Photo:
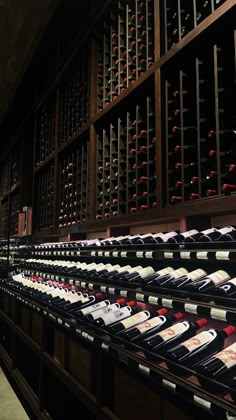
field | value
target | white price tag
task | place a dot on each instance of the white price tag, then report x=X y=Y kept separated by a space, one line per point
x=93 y=254
x=59 y=320
x=222 y=255
x=107 y=254
x=115 y=254
x=167 y=303
x=139 y=254
x=103 y=289
x=90 y=338
x=84 y=334
x=45 y=313
x=185 y=255
x=78 y=331
x=62 y=280
x=168 y=385
x=202 y=255
x=77 y=253
x=201 y=402
x=153 y=300
x=83 y=284
x=123 y=254
x=90 y=286
x=219 y=314
x=67 y=325
x=191 y=308
x=111 y=290
x=149 y=254
x=100 y=253
x=77 y=283
x=105 y=347
x=144 y=369
x=140 y=297
x=123 y=293
x=168 y=254
x=71 y=282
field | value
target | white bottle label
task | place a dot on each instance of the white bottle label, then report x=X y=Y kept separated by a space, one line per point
x=232 y=281
x=116 y=316
x=207 y=231
x=179 y=273
x=165 y=271
x=199 y=341
x=225 y=230
x=168 y=235
x=148 y=325
x=197 y=274
x=145 y=272
x=228 y=356
x=135 y=319
x=218 y=277
x=103 y=311
x=189 y=233
x=92 y=308
x=174 y=331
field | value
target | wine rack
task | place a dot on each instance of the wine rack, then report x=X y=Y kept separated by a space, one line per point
x=14 y=211
x=44 y=199
x=5 y=176
x=181 y=16
x=74 y=97
x=126 y=50
x=4 y=219
x=126 y=159
x=45 y=129
x=199 y=123
x=15 y=165
x=74 y=190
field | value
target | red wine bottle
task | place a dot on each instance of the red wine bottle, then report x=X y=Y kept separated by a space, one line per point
x=189 y=278
x=228 y=289
x=198 y=237
x=130 y=322
x=176 y=334
x=198 y=348
x=166 y=278
x=209 y=282
x=194 y=234
x=103 y=303
x=152 y=324
x=148 y=339
x=215 y=234
x=219 y=365
x=112 y=307
x=116 y=316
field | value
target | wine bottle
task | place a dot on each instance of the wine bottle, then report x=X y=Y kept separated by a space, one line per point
x=198 y=348
x=116 y=316
x=165 y=279
x=176 y=334
x=93 y=316
x=96 y=306
x=215 y=279
x=199 y=236
x=150 y=337
x=216 y=234
x=194 y=234
x=152 y=324
x=130 y=322
x=189 y=278
x=228 y=289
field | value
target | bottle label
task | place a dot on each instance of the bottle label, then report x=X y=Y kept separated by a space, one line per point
x=168 y=235
x=218 y=277
x=197 y=274
x=228 y=356
x=172 y=332
x=189 y=233
x=225 y=230
x=200 y=341
x=116 y=316
x=146 y=272
x=207 y=231
x=135 y=319
x=165 y=271
x=148 y=325
x=232 y=281
x=103 y=311
x=92 y=308
x=178 y=273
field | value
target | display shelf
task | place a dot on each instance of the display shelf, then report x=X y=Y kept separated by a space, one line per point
x=44 y=198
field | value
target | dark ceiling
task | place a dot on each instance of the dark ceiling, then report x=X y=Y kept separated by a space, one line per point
x=22 y=24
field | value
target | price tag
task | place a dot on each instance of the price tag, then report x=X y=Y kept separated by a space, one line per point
x=77 y=253
x=90 y=338
x=115 y=254
x=105 y=347
x=202 y=255
x=219 y=314
x=107 y=254
x=123 y=293
x=71 y=282
x=62 y=280
x=149 y=254
x=93 y=254
x=201 y=402
x=77 y=283
x=123 y=254
x=59 y=320
x=100 y=253
x=78 y=331
x=83 y=284
x=84 y=334
x=222 y=255
x=139 y=254
x=185 y=255
x=139 y=297
x=52 y=317
x=168 y=254
x=67 y=325
x=103 y=289
x=90 y=286
x=168 y=385
x=45 y=313
x=167 y=303
x=191 y=308
x=144 y=369
x=153 y=300
x=38 y=309
x=111 y=290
